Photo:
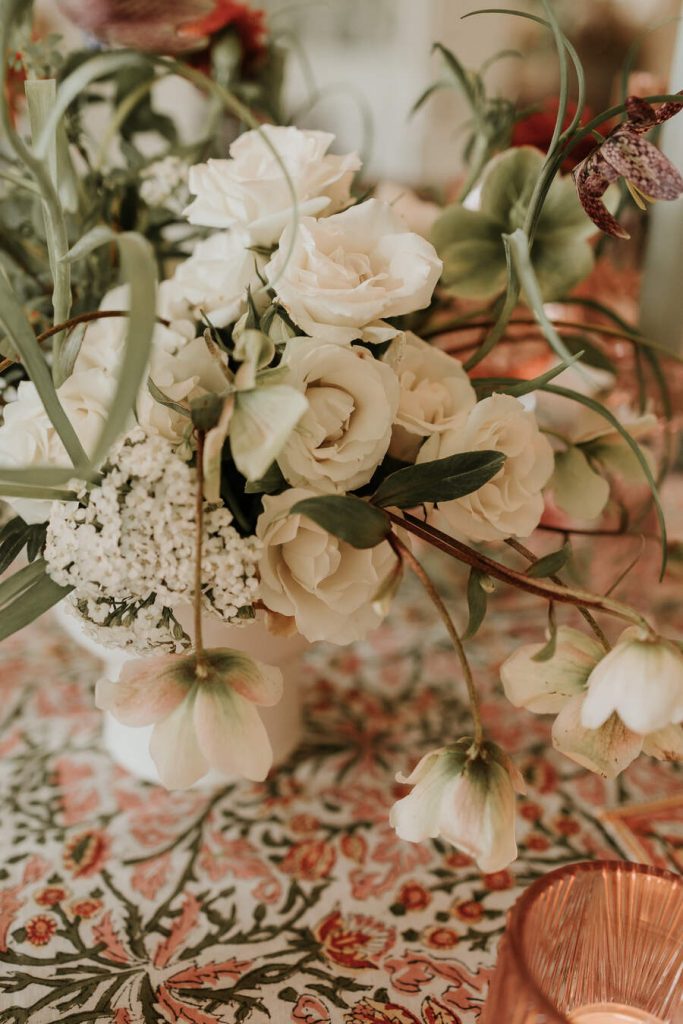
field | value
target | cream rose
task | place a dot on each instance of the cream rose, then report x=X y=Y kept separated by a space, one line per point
x=215 y=278
x=27 y=437
x=326 y=585
x=339 y=277
x=511 y=504
x=435 y=393
x=345 y=432
x=250 y=190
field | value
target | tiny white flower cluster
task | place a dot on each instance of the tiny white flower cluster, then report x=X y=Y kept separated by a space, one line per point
x=127 y=547
x=164 y=183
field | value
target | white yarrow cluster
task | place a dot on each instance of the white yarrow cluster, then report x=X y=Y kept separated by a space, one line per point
x=164 y=183
x=127 y=547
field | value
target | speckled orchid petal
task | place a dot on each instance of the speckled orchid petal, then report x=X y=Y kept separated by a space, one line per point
x=593 y=177
x=147 y=691
x=605 y=751
x=643 y=165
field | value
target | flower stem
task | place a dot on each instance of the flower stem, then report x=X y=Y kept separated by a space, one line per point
x=540 y=588
x=82 y=318
x=531 y=557
x=200 y=660
x=404 y=553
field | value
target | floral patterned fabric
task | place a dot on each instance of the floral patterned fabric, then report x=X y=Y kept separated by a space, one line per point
x=290 y=901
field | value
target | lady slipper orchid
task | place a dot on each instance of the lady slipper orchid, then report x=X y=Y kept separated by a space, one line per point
x=201 y=720
x=648 y=174
x=467 y=799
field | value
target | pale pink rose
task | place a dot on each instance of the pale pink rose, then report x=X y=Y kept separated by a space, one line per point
x=199 y=723
x=341 y=277
x=511 y=503
x=251 y=191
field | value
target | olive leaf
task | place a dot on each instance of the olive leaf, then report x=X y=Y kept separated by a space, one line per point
x=440 y=480
x=349 y=518
x=551 y=564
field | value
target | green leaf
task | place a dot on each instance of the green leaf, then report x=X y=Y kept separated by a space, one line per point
x=20 y=581
x=42 y=594
x=547 y=652
x=462 y=76
x=139 y=271
x=8 y=490
x=351 y=519
x=14 y=322
x=470 y=244
x=477 y=601
x=12 y=541
x=159 y=396
x=550 y=565
x=440 y=480
x=40 y=476
x=272 y=482
x=590 y=403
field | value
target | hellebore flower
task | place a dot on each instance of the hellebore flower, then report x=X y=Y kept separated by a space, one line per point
x=608 y=706
x=200 y=722
x=468 y=800
x=470 y=242
x=649 y=175
x=641 y=679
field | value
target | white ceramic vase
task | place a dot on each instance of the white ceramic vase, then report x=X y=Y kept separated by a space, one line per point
x=129 y=747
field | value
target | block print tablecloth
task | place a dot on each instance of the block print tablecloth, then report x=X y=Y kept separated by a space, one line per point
x=289 y=902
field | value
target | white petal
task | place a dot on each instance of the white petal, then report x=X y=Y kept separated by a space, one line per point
x=545 y=686
x=231 y=734
x=578 y=489
x=606 y=750
x=175 y=750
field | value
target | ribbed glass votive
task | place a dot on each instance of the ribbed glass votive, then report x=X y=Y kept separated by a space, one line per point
x=598 y=942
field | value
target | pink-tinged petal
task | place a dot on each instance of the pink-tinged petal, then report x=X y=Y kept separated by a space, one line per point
x=175 y=750
x=256 y=682
x=421 y=769
x=230 y=732
x=146 y=692
x=666 y=744
x=606 y=750
x=644 y=165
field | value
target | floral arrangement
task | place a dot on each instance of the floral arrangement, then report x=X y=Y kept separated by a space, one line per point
x=280 y=430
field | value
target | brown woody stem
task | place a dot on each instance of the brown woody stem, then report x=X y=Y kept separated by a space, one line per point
x=404 y=553
x=200 y=660
x=540 y=588
x=74 y=321
x=531 y=557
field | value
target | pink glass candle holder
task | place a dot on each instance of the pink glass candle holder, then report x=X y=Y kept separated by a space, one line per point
x=599 y=942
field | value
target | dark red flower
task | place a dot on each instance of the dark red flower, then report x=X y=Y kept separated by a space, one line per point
x=649 y=175
x=151 y=25
x=40 y=929
x=537 y=130
x=354 y=941
x=468 y=911
x=309 y=860
x=247 y=23
x=414 y=896
x=85 y=853
x=438 y=937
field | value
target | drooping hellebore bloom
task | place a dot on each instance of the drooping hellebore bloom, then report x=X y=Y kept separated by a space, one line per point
x=649 y=175
x=466 y=798
x=200 y=721
x=609 y=707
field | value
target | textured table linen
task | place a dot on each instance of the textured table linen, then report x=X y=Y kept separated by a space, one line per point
x=290 y=901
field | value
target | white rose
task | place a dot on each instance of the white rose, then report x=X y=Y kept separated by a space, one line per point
x=511 y=503
x=250 y=190
x=27 y=437
x=339 y=277
x=345 y=432
x=189 y=373
x=435 y=393
x=105 y=339
x=419 y=214
x=215 y=278
x=326 y=585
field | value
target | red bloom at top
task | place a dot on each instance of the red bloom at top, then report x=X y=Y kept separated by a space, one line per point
x=247 y=23
x=537 y=130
